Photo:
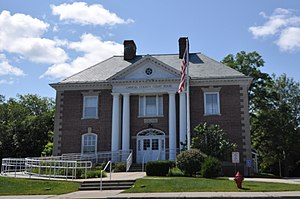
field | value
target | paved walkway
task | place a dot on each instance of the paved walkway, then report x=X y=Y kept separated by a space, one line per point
x=136 y=175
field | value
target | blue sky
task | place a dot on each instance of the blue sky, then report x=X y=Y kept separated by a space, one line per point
x=42 y=42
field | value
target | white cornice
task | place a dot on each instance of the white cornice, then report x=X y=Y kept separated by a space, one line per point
x=81 y=86
x=109 y=84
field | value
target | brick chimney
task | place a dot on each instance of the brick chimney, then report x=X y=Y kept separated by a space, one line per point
x=182 y=46
x=129 y=49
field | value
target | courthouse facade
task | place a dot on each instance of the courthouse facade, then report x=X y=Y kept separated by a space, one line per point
x=131 y=102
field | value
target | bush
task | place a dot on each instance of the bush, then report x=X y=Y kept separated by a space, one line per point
x=159 y=168
x=190 y=161
x=211 y=167
x=94 y=174
x=175 y=172
x=120 y=167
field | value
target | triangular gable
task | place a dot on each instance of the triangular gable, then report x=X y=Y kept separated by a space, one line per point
x=147 y=68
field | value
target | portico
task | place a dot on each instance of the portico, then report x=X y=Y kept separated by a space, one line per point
x=151 y=106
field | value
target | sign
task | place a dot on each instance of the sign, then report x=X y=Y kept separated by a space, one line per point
x=151 y=121
x=235 y=157
x=248 y=163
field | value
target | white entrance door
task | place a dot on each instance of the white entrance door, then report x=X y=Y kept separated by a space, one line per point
x=150 y=146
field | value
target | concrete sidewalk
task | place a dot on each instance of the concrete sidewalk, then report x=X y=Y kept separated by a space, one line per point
x=118 y=194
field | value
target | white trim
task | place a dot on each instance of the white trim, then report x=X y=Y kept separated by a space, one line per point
x=83 y=106
x=218 y=103
x=82 y=141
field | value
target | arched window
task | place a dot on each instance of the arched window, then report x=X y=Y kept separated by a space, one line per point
x=89 y=143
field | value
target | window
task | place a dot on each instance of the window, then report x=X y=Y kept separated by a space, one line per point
x=90 y=107
x=151 y=105
x=211 y=103
x=89 y=143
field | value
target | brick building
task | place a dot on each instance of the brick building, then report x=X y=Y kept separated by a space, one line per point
x=131 y=102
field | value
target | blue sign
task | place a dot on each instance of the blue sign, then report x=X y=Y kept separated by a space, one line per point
x=248 y=163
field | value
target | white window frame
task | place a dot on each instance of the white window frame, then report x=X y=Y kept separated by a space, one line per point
x=82 y=142
x=206 y=112
x=144 y=111
x=83 y=111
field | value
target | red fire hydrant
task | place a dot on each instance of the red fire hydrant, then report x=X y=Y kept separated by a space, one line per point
x=238 y=180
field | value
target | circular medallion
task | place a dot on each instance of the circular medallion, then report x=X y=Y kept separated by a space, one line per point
x=148 y=71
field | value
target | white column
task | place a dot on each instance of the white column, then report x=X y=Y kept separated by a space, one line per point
x=182 y=120
x=172 y=126
x=126 y=123
x=115 y=139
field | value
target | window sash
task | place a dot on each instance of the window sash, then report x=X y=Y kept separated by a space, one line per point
x=89 y=144
x=212 y=103
x=90 y=107
x=151 y=105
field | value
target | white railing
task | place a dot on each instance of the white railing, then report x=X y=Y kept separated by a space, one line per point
x=128 y=162
x=101 y=173
x=99 y=157
x=51 y=167
x=12 y=165
x=55 y=168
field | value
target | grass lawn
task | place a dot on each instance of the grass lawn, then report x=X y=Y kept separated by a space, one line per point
x=185 y=184
x=15 y=186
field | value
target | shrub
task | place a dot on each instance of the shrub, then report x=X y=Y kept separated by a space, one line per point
x=190 y=161
x=211 y=167
x=175 y=172
x=120 y=167
x=93 y=174
x=159 y=168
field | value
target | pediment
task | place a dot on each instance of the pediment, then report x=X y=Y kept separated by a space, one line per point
x=147 y=68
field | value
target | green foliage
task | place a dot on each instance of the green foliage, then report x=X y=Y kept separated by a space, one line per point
x=158 y=168
x=175 y=172
x=120 y=167
x=25 y=125
x=211 y=167
x=211 y=141
x=249 y=64
x=190 y=161
x=276 y=129
x=94 y=174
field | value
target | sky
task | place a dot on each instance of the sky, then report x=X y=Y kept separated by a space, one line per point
x=43 y=42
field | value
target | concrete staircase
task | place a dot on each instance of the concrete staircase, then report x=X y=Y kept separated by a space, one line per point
x=106 y=185
x=135 y=168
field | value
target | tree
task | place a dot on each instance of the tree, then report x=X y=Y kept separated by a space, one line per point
x=276 y=129
x=211 y=141
x=249 y=64
x=25 y=125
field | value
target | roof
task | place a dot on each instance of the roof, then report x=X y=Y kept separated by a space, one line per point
x=200 y=67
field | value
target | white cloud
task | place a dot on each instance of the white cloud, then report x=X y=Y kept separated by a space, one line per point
x=22 y=34
x=289 y=39
x=80 y=12
x=7 y=69
x=94 y=49
x=5 y=81
x=282 y=24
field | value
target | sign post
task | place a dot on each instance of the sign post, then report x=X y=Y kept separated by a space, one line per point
x=235 y=159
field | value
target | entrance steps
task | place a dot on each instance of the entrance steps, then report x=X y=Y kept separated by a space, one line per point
x=106 y=185
x=135 y=168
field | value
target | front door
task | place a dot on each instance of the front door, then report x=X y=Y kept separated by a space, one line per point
x=150 y=146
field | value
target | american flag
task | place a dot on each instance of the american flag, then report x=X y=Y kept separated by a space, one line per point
x=182 y=71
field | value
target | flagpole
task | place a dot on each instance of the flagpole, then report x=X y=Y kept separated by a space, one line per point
x=188 y=120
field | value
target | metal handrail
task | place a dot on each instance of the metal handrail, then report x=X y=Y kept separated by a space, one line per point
x=101 y=173
x=129 y=161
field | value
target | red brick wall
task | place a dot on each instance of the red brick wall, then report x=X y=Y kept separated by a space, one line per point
x=73 y=126
x=230 y=109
